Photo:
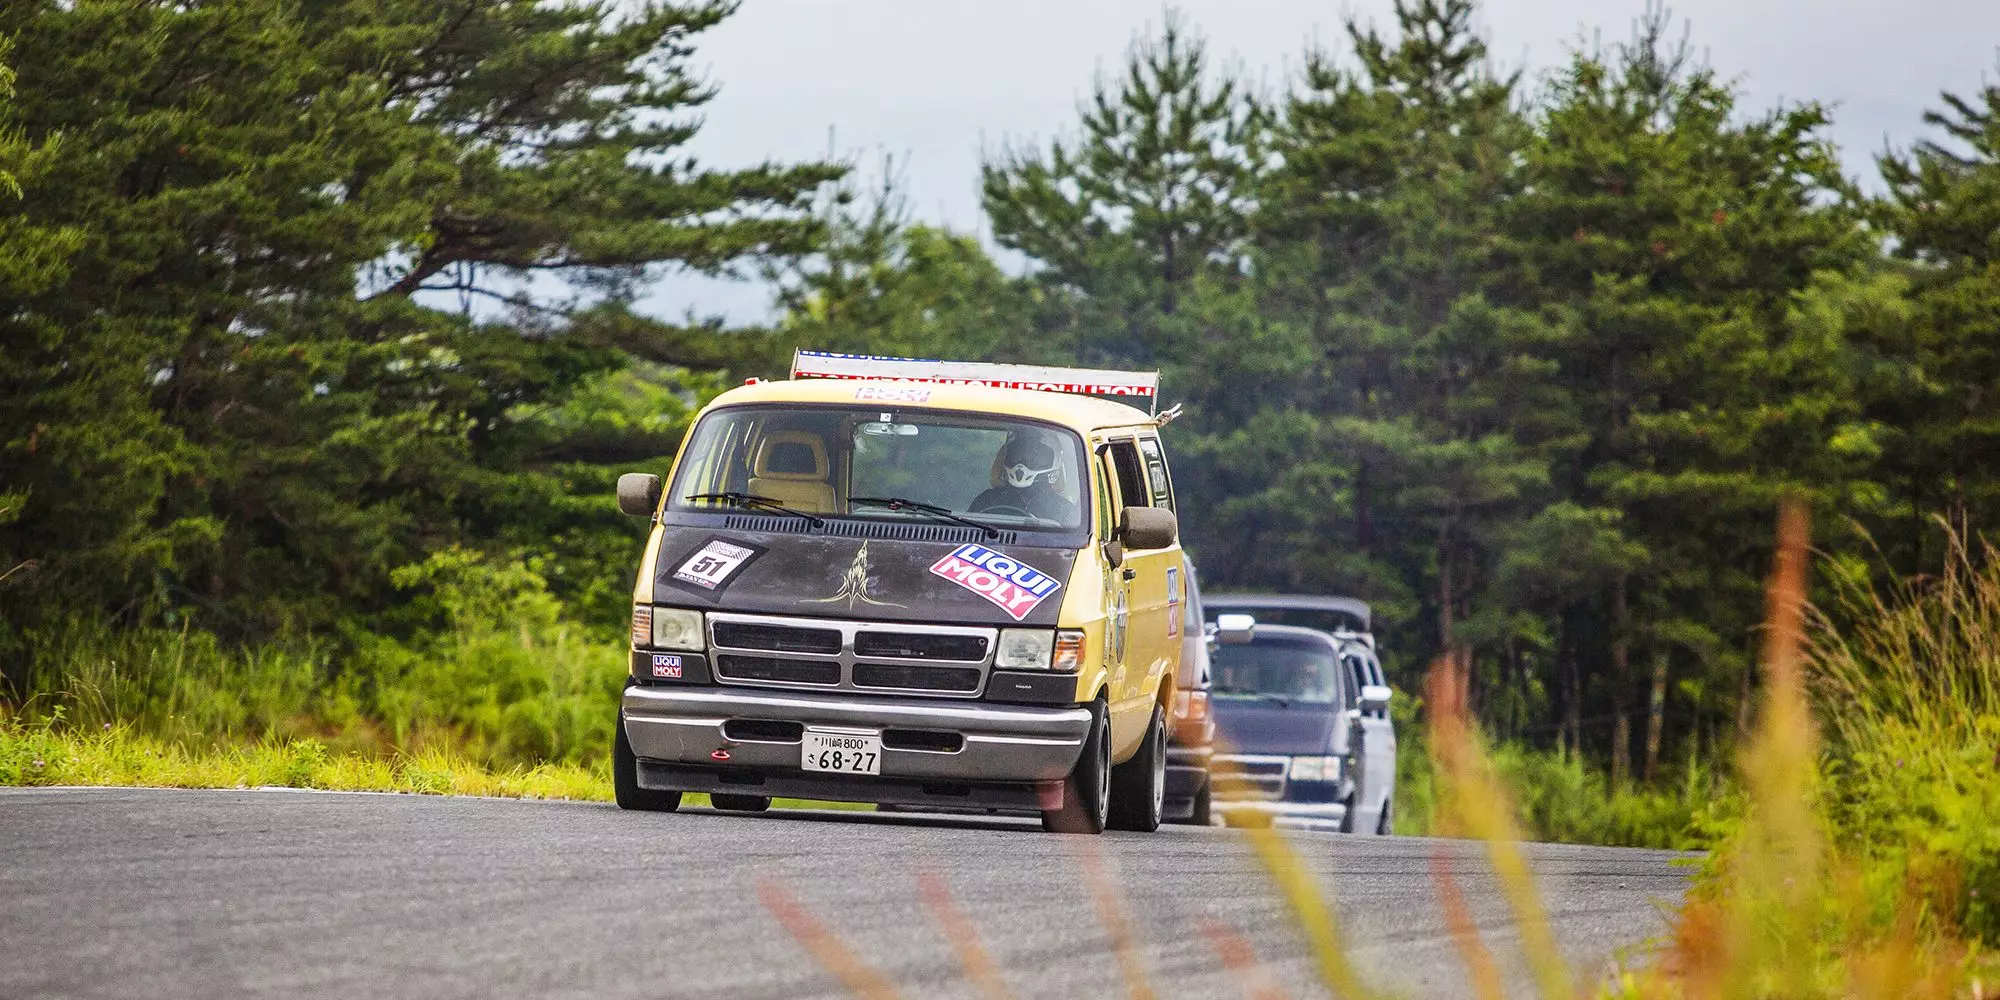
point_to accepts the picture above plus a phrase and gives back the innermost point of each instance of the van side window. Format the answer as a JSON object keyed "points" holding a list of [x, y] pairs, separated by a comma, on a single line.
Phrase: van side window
{"points": [[1107, 508], [1353, 678], [1157, 480], [1132, 489]]}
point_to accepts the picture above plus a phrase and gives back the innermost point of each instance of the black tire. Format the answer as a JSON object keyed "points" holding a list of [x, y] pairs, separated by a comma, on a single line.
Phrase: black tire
{"points": [[1139, 786], [625, 779], [1387, 824], [1087, 791], [739, 803], [1204, 814], [1347, 817]]}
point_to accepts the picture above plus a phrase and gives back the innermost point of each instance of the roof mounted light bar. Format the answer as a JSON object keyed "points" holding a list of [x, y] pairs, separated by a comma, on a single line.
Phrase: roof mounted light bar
{"points": [[1079, 381]]}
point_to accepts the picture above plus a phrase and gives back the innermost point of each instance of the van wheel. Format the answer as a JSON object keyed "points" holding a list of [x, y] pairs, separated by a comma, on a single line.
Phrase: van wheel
{"points": [[1387, 824], [625, 779], [1204, 814], [739, 803], [1347, 815], [1087, 791], [1139, 786]]}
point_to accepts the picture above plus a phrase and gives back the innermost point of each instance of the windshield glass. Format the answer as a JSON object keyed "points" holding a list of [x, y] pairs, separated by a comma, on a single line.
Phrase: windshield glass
{"points": [[1007, 473], [1276, 668]]}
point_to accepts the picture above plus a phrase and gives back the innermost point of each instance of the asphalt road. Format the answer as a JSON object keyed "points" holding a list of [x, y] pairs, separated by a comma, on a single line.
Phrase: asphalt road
{"points": [[146, 893]]}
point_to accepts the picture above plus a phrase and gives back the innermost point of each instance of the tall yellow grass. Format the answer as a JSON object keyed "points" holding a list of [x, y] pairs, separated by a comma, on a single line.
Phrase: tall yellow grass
{"points": [[1780, 913]]}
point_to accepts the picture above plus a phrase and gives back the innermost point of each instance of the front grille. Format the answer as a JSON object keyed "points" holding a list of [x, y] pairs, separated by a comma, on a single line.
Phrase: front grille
{"points": [[920, 646], [938, 661], [777, 638], [759, 668], [916, 678], [1253, 778]]}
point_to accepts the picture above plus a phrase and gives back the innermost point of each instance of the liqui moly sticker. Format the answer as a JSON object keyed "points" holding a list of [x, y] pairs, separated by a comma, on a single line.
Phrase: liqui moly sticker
{"points": [[713, 564], [668, 666], [1014, 586], [1174, 599]]}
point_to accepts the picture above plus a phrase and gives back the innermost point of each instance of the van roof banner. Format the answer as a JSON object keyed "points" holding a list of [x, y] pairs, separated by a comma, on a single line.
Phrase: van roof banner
{"points": [[1081, 381]]}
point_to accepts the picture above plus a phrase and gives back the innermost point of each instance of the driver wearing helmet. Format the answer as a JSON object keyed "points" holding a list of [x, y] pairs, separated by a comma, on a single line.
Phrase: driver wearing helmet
{"points": [[1029, 471]]}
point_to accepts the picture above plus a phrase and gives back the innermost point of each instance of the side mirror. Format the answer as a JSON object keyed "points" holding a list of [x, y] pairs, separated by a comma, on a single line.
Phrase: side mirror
{"points": [[1208, 636], [1375, 697], [639, 493], [1235, 629], [1148, 528]]}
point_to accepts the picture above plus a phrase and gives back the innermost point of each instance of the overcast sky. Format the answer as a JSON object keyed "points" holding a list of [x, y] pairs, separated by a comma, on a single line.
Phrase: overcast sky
{"points": [[935, 82]]}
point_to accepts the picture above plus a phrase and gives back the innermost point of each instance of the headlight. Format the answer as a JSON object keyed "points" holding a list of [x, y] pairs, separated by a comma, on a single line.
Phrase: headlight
{"points": [[1315, 768], [1024, 649], [678, 628]]}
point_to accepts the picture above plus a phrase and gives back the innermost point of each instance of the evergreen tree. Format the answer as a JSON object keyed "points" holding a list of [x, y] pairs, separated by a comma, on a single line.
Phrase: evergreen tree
{"points": [[1934, 392], [225, 391], [1679, 239]]}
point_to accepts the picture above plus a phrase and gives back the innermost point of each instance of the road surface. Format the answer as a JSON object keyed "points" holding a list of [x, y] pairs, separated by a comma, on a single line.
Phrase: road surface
{"points": [[214, 895]]}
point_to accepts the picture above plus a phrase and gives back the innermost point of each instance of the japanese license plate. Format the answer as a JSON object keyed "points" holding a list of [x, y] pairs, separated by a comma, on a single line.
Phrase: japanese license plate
{"points": [[850, 751]]}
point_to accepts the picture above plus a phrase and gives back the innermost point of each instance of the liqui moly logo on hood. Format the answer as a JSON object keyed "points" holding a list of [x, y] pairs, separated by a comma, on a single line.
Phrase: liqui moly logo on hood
{"points": [[1013, 585]]}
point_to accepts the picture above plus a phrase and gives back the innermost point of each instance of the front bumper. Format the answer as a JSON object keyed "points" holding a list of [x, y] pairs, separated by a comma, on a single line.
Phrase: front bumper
{"points": [[1326, 816], [1005, 756]]}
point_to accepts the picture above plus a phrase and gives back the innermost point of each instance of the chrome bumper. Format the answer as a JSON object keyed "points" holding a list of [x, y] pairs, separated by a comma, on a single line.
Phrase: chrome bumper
{"points": [[1282, 815], [1000, 743]]}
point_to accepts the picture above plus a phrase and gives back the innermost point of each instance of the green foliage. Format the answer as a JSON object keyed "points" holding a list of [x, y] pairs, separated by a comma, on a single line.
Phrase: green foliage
{"points": [[228, 392]]}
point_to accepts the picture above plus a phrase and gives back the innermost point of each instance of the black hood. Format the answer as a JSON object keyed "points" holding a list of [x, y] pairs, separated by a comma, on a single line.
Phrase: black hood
{"points": [[824, 576], [1268, 728]]}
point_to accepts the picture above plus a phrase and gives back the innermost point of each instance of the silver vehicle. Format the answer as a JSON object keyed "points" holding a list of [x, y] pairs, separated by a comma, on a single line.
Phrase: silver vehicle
{"points": [[1305, 738]]}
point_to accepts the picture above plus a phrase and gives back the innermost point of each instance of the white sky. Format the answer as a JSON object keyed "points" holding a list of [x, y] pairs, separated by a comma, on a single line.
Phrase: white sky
{"points": [[934, 82]]}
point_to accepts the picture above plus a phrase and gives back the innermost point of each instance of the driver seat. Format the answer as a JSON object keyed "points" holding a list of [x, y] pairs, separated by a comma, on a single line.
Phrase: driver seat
{"points": [[791, 468]]}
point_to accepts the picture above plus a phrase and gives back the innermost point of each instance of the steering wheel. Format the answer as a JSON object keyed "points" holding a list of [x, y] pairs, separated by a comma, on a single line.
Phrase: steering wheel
{"points": [[1002, 508]]}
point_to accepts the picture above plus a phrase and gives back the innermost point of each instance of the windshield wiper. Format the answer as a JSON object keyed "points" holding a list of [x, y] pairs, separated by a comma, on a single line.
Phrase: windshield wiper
{"points": [[753, 500], [899, 503]]}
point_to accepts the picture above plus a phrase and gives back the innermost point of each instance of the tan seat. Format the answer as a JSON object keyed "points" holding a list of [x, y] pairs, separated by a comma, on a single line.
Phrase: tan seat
{"points": [[791, 469]]}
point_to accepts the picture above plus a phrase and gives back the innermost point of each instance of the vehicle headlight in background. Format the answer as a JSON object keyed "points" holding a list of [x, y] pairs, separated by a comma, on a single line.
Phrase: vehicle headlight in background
{"points": [[1315, 769], [1024, 649], [642, 624], [678, 628]]}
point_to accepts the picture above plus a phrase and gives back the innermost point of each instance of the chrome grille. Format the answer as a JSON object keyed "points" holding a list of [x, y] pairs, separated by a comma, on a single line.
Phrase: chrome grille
{"points": [[777, 638], [1251, 776], [947, 661]]}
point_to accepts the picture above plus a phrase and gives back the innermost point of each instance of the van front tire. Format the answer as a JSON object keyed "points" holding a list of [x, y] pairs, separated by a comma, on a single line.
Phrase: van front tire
{"points": [[1086, 792], [1139, 786], [625, 779]]}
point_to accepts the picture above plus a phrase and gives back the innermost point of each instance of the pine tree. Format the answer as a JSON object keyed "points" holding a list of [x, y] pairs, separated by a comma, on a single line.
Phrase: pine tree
{"points": [[236, 392], [1935, 395], [1679, 239]]}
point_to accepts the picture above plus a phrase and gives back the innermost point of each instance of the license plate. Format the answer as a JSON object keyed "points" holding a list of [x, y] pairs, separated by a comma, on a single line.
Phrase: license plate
{"points": [[849, 751]]}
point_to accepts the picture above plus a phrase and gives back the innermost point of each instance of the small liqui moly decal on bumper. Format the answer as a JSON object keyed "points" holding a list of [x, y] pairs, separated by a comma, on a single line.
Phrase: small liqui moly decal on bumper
{"points": [[668, 666], [1016, 587]]}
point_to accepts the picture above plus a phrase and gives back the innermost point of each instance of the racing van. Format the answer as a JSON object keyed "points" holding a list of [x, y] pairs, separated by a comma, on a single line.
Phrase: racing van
{"points": [[915, 583], [1303, 709]]}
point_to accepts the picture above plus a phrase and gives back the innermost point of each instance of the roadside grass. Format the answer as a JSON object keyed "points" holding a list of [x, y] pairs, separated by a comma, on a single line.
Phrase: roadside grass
{"points": [[50, 752]]}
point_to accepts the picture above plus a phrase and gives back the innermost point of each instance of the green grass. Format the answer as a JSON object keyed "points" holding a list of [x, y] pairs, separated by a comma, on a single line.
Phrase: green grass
{"points": [[50, 752]]}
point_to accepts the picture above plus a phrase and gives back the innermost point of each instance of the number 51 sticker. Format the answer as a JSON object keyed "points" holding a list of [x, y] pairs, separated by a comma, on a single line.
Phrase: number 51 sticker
{"points": [[712, 566]]}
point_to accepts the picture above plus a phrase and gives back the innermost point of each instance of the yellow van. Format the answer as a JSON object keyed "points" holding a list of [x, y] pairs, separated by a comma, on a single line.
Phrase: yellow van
{"points": [[917, 583]]}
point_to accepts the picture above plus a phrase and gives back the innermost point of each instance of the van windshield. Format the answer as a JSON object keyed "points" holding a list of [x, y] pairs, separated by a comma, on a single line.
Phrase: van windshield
{"points": [[1276, 668], [853, 461]]}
